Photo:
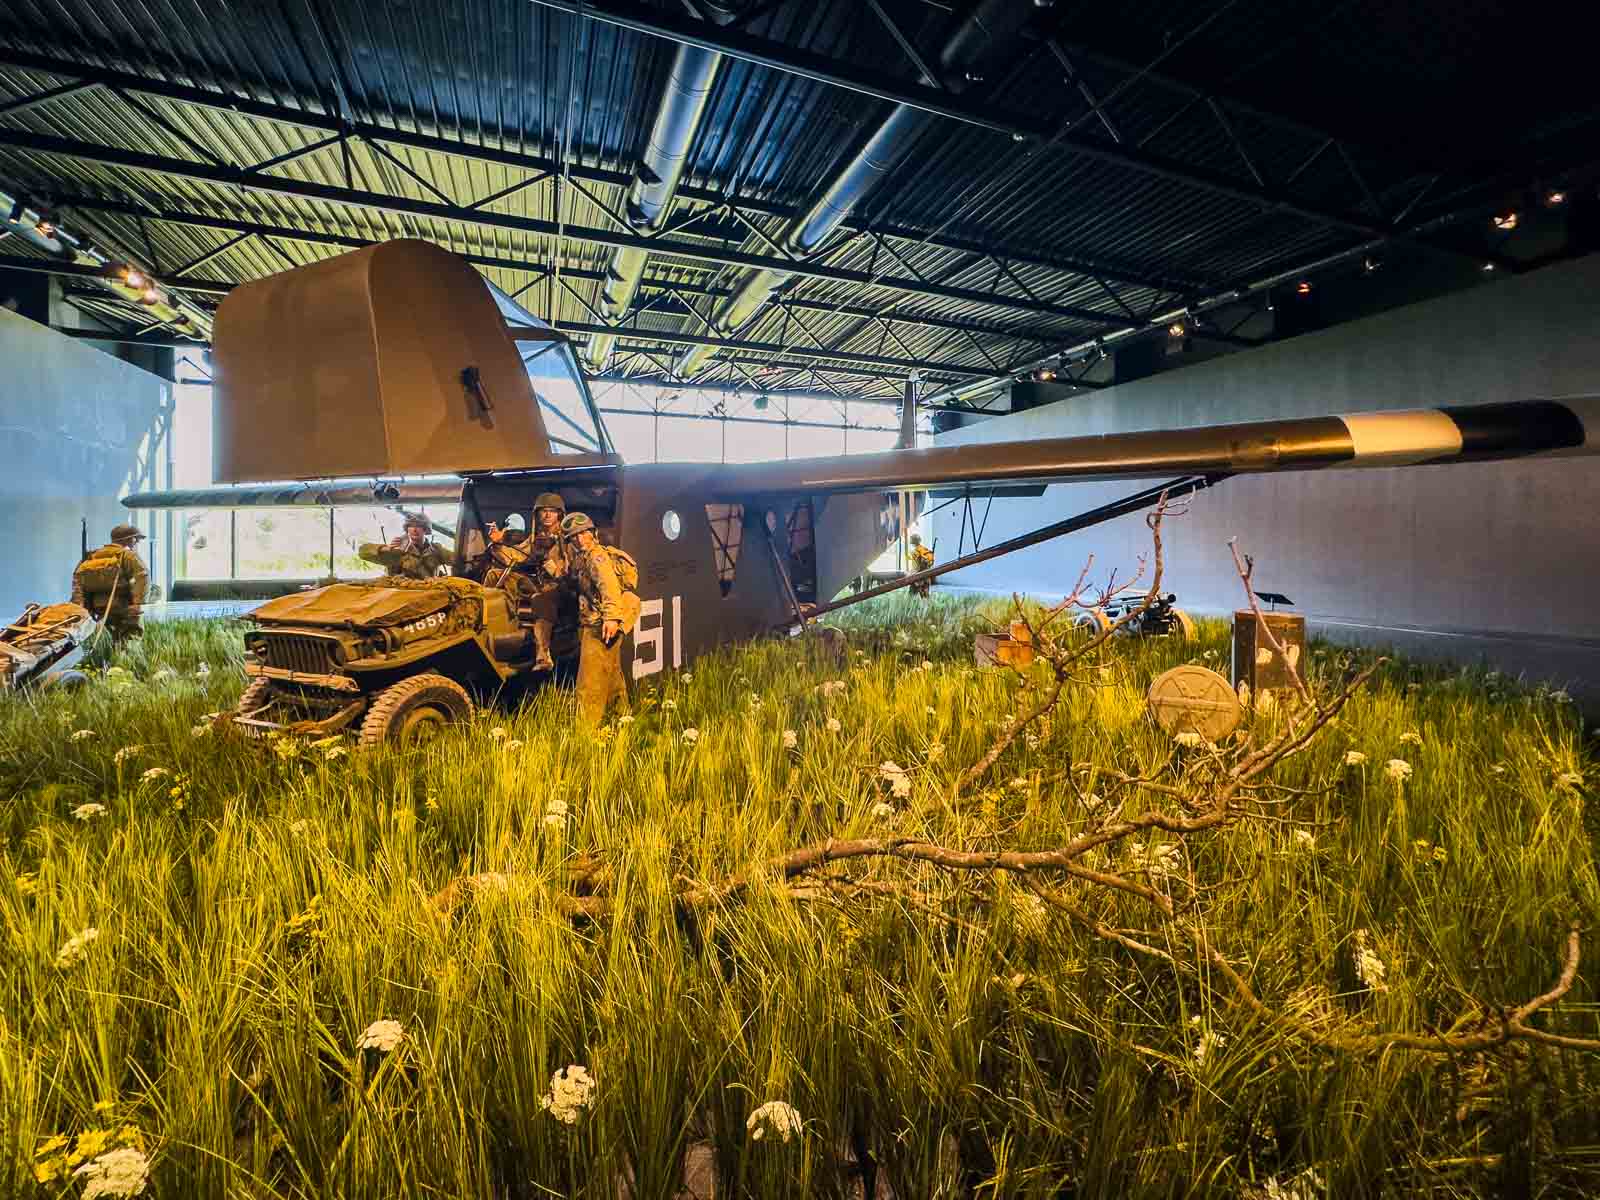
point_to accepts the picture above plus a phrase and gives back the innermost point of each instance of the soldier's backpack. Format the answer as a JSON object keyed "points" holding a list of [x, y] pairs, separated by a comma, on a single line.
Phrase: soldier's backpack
{"points": [[627, 571], [102, 571]]}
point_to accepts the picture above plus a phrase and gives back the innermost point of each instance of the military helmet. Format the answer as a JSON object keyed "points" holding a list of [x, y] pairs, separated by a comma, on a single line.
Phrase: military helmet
{"points": [[550, 500], [916, 539], [576, 523], [126, 533], [419, 520]]}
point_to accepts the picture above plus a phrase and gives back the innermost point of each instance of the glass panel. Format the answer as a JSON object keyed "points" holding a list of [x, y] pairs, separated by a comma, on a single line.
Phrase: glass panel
{"points": [[727, 538], [562, 403]]}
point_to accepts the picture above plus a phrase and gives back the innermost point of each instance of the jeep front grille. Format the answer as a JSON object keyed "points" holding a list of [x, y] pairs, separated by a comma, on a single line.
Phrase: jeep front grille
{"points": [[298, 652]]}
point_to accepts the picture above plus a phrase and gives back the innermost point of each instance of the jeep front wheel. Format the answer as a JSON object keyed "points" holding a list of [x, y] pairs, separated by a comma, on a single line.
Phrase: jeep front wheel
{"points": [[414, 710]]}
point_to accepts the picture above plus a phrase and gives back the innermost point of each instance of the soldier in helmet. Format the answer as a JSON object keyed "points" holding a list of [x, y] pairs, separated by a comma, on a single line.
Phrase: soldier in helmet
{"points": [[921, 560], [601, 615], [544, 569], [111, 583], [413, 554]]}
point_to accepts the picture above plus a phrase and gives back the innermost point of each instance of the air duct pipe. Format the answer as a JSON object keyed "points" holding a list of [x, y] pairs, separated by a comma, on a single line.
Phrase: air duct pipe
{"points": [[661, 167], [117, 274], [988, 29]]}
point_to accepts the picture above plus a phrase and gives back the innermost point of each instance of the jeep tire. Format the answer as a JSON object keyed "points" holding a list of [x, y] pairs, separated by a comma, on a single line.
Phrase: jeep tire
{"points": [[256, 696], [414, 710]]}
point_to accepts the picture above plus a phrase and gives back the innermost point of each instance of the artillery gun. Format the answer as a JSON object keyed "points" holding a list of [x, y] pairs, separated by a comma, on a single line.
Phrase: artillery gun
{"points": [[393, 659], [1162, 618], [41, 644]]}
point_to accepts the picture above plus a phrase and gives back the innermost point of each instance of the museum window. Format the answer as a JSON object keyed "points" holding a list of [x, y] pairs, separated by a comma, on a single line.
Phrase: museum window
{"points": [[727, 536]]}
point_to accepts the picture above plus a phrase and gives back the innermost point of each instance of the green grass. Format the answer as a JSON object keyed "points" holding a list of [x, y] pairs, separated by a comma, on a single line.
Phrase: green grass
{"points": [[253, 923]]}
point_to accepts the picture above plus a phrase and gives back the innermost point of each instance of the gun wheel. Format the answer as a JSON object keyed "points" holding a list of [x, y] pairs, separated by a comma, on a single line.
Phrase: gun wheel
{"points": [[415, 710], [1183, 625], [1092, 621]]}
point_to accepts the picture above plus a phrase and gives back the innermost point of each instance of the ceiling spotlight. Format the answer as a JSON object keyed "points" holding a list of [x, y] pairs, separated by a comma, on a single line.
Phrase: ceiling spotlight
{"points": [[133, 278], [1175, 329], [1506, 221], [1044, 374], [1371, 263], [1303, 288], [1487, 267], [761, 403], [1554, 198], [150, 296]]}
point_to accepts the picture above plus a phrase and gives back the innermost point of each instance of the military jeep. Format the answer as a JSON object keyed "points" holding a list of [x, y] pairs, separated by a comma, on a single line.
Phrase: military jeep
{"points": [[394, 659]]}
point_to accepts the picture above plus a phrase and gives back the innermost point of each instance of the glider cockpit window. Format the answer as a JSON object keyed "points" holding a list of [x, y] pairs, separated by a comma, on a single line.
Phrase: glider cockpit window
{"points": [[564, 402], [727, 536]]}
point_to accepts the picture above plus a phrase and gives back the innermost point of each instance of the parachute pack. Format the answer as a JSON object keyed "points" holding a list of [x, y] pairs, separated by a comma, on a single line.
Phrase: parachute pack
{"points": [[102, 571], [627, 571]]}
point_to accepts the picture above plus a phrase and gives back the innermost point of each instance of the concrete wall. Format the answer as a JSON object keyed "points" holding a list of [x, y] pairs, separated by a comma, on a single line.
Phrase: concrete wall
{"points": [[77, 426], [1491, 561]]}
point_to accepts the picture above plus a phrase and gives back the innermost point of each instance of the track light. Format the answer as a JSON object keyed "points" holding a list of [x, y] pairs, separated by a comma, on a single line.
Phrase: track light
{"points": [[1044, 375], [1370, 264], [1175, 330], [45, 229], [1487, 267], [1506, 221], [1554, 198], [133, 279], [1303, 288], [150, 296]]}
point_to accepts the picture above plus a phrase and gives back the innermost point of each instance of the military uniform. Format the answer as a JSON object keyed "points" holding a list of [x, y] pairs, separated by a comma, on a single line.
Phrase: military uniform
{"points": [[546, 569], [112, 582], [921, 560], [419, 562], [599, 600]]}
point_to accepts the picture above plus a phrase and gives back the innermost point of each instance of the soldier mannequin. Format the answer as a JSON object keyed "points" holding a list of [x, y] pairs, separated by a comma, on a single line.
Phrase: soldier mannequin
{"points": [[600, 616], [411, 554], [545, 567], [111, 583], [921, 560]]}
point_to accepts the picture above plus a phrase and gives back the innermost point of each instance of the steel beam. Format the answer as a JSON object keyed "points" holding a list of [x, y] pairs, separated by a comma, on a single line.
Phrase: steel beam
{"points": [[348, 197], [147, 81]]}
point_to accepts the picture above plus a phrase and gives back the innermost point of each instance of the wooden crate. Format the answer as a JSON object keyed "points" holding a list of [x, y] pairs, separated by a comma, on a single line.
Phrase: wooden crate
{"points": [[1255, 663]]}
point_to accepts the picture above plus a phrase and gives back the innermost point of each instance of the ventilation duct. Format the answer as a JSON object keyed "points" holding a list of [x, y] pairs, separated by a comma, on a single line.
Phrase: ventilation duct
{"points": [[989, 30], [661, 167], [118, 275]]}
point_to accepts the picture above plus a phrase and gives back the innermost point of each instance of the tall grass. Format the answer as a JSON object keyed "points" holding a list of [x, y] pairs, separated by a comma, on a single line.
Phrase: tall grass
{"points": [[260, 906]]}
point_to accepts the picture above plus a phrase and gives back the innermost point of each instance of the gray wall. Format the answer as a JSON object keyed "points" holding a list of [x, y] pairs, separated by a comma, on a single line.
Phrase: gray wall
{"points": [[1492, 561], [76, 424]]}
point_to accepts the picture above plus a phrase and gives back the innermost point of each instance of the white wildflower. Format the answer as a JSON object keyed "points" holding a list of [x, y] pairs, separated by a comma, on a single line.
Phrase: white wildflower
{"points": [[571, 1091], [1305, 839], [1369, 967], [153, 774], [118, 673], [1497, 769], [831, 688], [927, 664], [1397, 769], [832, 725], [203, 671], [83, 735], [335, 752], [755, 701], [1159, 861], [86, 812], [1031, 912], [895, 776], [1411, 738], [201, 730], [624, 721], [1188, 738], [1019, 784], [116, 1173], [882, 811], [72, 952], [127, 752], [691, 736], [935, 751], [286, 748], [512, 745], [498, 733], [1209, 1041], [163, 674], [1307, 1185], [1032, 740], [1354, 758], [1561, 697], [555, 812], [300, 828], [1570, 779], [668, 705], [1209, 655], [791, 740], [688, 676], [932, 711], [774, 1117], [383, 1036]]}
